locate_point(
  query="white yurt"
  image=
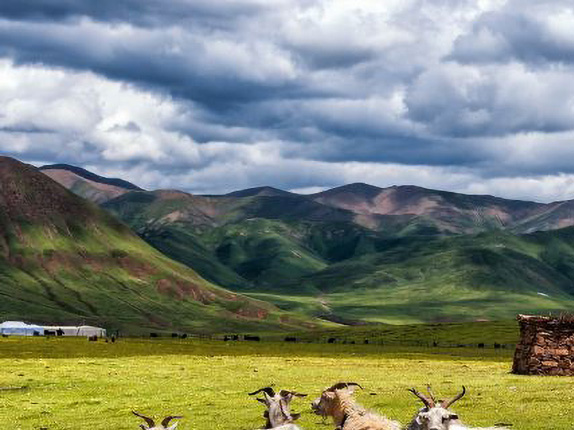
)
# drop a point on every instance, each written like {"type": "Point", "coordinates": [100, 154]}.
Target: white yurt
{"type": "Point", "coordinates": [19, 328]}
{"type": "Point", "coordinates": [83, 330]}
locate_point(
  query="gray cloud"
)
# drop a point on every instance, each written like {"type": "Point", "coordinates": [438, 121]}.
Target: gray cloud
{"type": "Point", "coordinates": [211, 96]}
{"type": "Point", "coordinates": [533, 32]}
{"type": "Point", "coordinates": [142, 13]}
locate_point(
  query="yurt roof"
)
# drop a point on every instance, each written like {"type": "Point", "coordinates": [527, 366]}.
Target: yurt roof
{"type": "Point", "coordinates": [18, 324]}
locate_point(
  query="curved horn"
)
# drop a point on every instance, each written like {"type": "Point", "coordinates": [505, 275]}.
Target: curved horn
{"type": "Point", "coordinates": [284, 393]}
{"type": "Point", "coordinates": [429, 403]}
{"type": "Point", "coordinates": [431, 394]}
{"type": "Point", "coordinates": [167, 419]}
{"type": "Point", "coordinates": [268, 390]}
{"type": "Point", "coordinates": [150, 422]}
{"type": "Point", "coordinates": [459, 396]}
{"type": "Point", "coordinates": [342, 385]}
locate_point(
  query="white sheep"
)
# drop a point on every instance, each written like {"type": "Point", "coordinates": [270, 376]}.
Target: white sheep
{"type": "Point", "coordinates": [278, 413]}
{"type": "Point", "coordinates": [338, 403]}
{"type": "Point", "coordinates": [435, 415]}
{"type": "Point", "coordinates": [150, 423]}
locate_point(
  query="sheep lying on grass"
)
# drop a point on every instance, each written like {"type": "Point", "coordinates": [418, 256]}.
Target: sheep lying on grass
{"type": "Point", "coordinates": [338, 403]}
{"type": "Point", "coordinates": [435, 415]}
{"type": "Point", "coordinates": [150, 423]}
{"type": "Point", "coordinates": [278, 413]}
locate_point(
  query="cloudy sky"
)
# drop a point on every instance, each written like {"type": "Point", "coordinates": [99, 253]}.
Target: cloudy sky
{"type": "Point", "coordinates": [209, 96]}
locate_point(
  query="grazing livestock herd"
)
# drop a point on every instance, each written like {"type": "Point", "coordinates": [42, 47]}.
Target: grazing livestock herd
{"type": "Point", "coordinates": [337, 402]}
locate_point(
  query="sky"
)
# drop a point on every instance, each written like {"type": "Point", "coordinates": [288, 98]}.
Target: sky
{"type": "Point", "coordinates": [212, 96]}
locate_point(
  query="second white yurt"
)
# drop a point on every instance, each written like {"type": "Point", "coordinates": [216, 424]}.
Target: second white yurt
{"type": "Point", "coordinates": [83, 330]}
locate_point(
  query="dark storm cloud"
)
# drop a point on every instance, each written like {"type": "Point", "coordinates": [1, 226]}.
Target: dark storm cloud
{"type": "Point", "coordinates": [215, 95]}
{"type": "Point", "coordinates": [190, 70]}
{"type": "Point", "coordinates": [139, 12]}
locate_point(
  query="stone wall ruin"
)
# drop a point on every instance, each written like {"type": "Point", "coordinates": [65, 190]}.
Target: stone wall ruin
{"type": "Point", "coordinates": [546, 346]}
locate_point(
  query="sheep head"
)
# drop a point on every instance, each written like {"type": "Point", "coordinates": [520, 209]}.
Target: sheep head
{"type": "Point", "coordinates": [277, 405]}
{"type": "Point", "coordinates": [328, 403]}
{"type": "Point", "coordinates": [150, 423]}
{"type": "Point", "coordinates": [435, 414]}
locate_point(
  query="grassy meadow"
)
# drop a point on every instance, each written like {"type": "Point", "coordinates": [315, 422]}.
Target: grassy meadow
{"type": "Point", "coordinates": [505, 333]}
{"type": "Point", "coordinates": [75, 384]}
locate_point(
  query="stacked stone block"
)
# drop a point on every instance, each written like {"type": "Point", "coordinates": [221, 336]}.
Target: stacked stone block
{"type": "Point", "coordinates": [546, 346]}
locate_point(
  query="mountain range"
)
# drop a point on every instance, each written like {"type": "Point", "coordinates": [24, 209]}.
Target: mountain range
{"type": "Point", "coordinates": [358, 253]}
{"type": "Point", "coordinates": [64, 260]}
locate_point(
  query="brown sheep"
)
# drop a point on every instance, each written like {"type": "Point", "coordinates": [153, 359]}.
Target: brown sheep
{"type": "Point", "coordinates": [338, 403]}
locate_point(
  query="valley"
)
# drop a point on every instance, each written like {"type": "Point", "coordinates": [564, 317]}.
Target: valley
{"type": "Point", "coordinates": [360, 254]}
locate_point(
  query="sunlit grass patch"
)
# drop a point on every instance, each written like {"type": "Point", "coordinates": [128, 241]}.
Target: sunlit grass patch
{"type": "Point", "coordinates": [75, 384]}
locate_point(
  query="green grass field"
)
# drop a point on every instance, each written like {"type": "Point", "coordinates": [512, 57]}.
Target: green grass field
{"type": "Point", "coordinates": [75, 384]}
{"type": "Point", "coordinates": [489, 333]}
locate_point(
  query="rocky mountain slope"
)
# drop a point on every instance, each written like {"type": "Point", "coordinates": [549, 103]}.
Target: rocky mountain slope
{"type": "Point", "coordinates": [63, 260]}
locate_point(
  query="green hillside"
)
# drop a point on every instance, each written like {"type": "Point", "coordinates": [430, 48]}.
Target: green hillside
{"type": "Point", "coordinates": [489, 276]}
{"type": "Point", "coordinates": [350, 274]}
{"type": "Point", "coordinates": [63, 260]}
{"type": "Point", "coordinates": [243, 242]}
{"type": "Point", "coordinates": [360, 254]}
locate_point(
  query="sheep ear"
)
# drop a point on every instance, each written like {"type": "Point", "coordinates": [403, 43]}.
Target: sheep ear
{"type": "Point", "coordinates": [453, 416]}
{"type": "Point", "coordinates": [262, 401]}
{"type": "Point", "coordinates": [295, 416]}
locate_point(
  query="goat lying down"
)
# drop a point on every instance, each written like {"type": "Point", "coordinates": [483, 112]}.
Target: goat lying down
{"type": "Point", "coordinates": [435, 415]}
{"type": "Point", "coordinates": [278, 408]}
{"type": "Point", "coordinates": [338, 403]}
{"type": "Point", "coordinates": [164, 425]}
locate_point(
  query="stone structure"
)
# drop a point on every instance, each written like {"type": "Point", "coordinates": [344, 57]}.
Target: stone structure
{"type": "Point", "coordinates": [546, 346]}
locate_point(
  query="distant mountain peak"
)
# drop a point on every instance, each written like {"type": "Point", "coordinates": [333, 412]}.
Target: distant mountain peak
{"type": "Point", "coordinates": [86, 184]}
{"type": "Point", "coordinates": [357, 188]}
{"type": "Point", "coordinates": [259, 191]}
{"type": "Point", "coordinates": [92, 176]}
